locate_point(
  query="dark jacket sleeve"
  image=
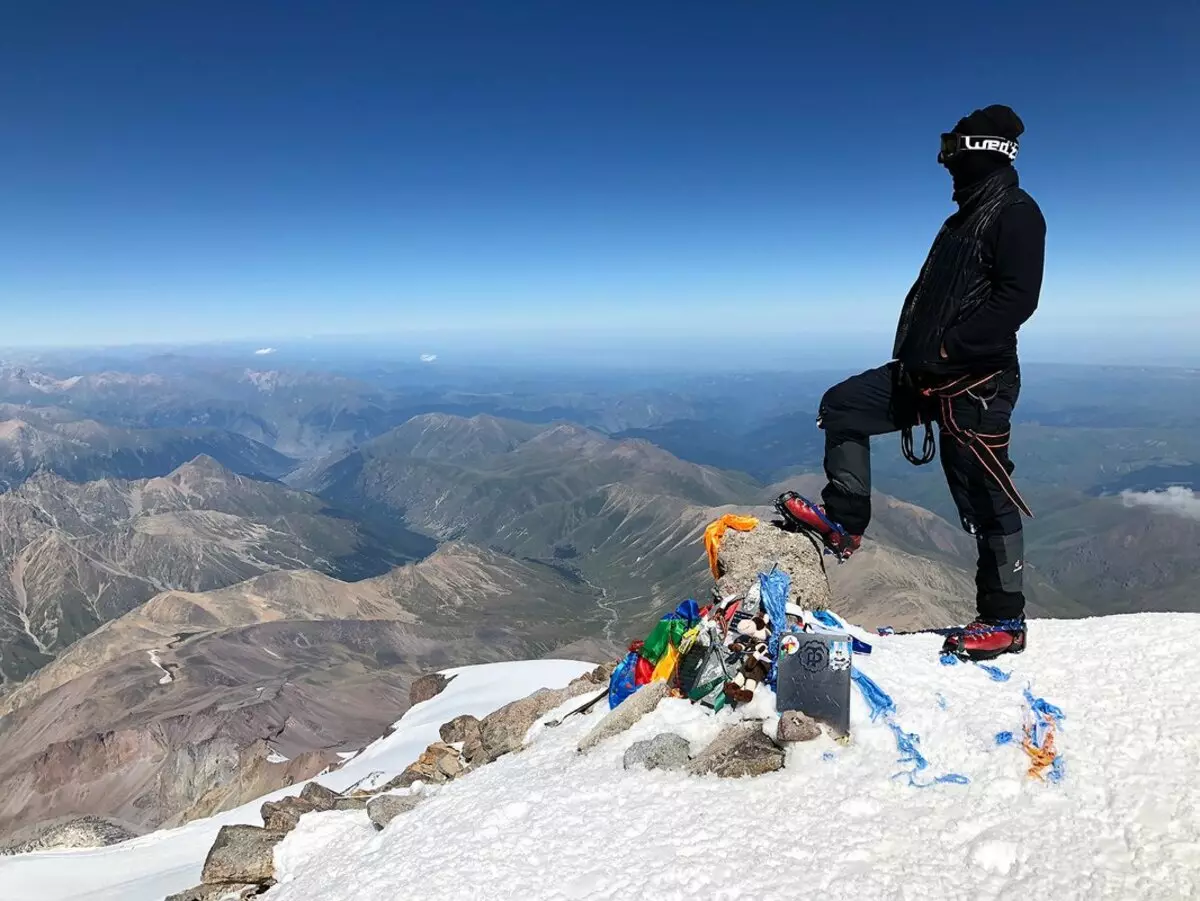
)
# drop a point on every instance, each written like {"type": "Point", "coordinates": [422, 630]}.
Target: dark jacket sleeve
{"type": "Point", "coordinates": [1019, 256]}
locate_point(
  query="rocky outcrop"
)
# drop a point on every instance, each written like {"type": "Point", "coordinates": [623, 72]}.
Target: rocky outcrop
{"type": "Point", "coordinates": [666, 751]}
{"type": "Point", "coordinates": [383, 809]}
{"type": "Point", "coordinates": [743, 555]}
{"type": "Point", "coordinates": [283, 816]}
{"type": "Point", "coordinates": [242, 855]}
{"type": "Point", "coordinates": [84, 832]}
{"type": "Point", "coordinates": [503, 731]}
{"type": "Point", "coordinates": [461, 728]}
{"type": "Point", "coordinates": [427, 687]}
{"type": "Point", "coordinates": [739, 750]}
{"type": "Point", "coordinates": [625, 714]}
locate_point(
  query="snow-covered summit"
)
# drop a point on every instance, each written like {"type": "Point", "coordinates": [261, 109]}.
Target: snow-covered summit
{"type": "Point", "coordinates": [550, 823]}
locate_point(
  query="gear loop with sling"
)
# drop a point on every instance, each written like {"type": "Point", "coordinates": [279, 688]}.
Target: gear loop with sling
{"type": "Point", "coordinates": [983, 446]}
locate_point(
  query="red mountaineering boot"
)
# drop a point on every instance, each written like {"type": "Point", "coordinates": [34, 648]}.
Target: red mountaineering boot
{"type": "Point", "coordinates": [801, 513]}
{"type": "Point", "coordinates": [986, 640]}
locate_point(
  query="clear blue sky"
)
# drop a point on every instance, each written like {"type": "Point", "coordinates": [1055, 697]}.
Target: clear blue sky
{"type": "Point", "coordinates": [196, 170]}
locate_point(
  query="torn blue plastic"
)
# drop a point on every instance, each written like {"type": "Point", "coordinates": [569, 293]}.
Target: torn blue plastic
{"type": "Point", "coordinates": [1043, 713]}
{"type": "Point", "coordinates": [907, 743]}
{"type": "Point", "coordinates": [997, 674]}
{"type": "Point", "coordinates": [948, 660]}
{"type": "Point", "coordinates": [774, 587]}
{"type": "Point", "coordinates": [833, 621]}
{"type": "Point", "coordinates": [877, 699]}
{"type": "Point", "coordinates": [941, 699]}
{"type": "Point", "coordinates": [1004, 738]}
{"type": "Point", "coordinates": [882, 705]}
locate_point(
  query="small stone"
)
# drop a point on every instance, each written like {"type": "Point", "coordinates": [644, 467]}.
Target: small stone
{"type": "Point", "coordinates": [625, 714]}
{"type": "Point", "coordinates": [796, 726]}
{"type": "Point", "coordinates": [427, 687]}
{"type": "Point", "coordinates": [242, 854]}
{"type": "Point", "coordinates": [282, 816]}
{"type": "Point", "coordinates": [663, 752]}
{"type": "Point", "coordinates": [739, 750]}
{"type": "Point", "coordinates": [320, 797]}
{"type": "Point", "coordinates": [461, 728]}
{"type": "Point", "coordinates": [382, 809]}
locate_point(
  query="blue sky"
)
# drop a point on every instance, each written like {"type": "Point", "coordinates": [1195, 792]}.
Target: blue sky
{"type": "Point", "coordinates": [194, 171]}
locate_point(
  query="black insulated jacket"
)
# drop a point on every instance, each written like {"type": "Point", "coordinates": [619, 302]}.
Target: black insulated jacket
{"type": "Point", "coordinates": [979, 284]}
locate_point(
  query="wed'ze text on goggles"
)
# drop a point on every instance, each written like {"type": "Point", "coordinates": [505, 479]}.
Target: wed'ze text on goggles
{"type": "Point", "coordinates": [954, 144]}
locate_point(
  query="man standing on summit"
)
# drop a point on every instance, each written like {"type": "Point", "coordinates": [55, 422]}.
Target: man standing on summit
{"type": "Point", "coordinates": [955, 363]}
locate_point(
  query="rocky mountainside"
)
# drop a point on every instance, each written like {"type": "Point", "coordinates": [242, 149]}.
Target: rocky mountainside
{"type": "Point", "coordinates": [619, 516]}
{"type": "Point", "coordinates": [148, 718]}
{"type": "Point", "coordinates": [37, 439]}
{"type": "Point", "coordinates": [73, 556]}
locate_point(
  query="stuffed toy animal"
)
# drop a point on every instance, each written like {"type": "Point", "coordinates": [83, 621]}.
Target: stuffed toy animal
{"type": "Point", "coordinates": [756, 664]}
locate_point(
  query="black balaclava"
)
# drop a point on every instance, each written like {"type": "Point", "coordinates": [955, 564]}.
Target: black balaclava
{"type": "Point", "coordinates": [972, 166]}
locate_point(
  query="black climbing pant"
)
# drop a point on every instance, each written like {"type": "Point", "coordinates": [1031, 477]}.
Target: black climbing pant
{"type": "Point", "coordinates": [878, 402]}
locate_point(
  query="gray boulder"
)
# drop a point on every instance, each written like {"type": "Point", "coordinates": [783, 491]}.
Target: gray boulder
{"type": "Point", "coordinates": [666, 751]}
{"type": "Point", "coordinates": [796, 726]}
{"type": "Point", "coordinates": [382, 809]}
{"type": "Point", "coordinates": [242, 855]}
{"type": "Point", "coordinates": [739, 750]}
{"type": "Point", "coordinates": [625, 714]}
{"type": "Point", "coordinates": [320, 797]}
{"type": "Point", "coordinates": [355, 803]}
{"type": "Point", "coordinates": [226, 892]}
{"type": "Point", "coordinates": [503, 731]}
{"type": "Point", "coordinates": [282, 816]}
{"type": "Point", "coordinates": [461, 728]}
{"type": "Point", "coordinates": [474, 753]}
{"type": "Point", "coordinates": [743, 555]}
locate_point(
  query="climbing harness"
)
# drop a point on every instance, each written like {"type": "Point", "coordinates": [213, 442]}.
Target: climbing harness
{"type": "Point", "coordinates": [983, 446]}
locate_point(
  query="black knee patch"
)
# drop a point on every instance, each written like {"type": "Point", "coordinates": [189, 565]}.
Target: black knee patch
{"type": "Point", "coordinates": [1007, 553]}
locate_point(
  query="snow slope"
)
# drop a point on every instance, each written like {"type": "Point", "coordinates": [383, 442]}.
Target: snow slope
{"type": "Point", "coordinates": [155, 865]}
{"type": "Point", "coordinates": [548, 823]}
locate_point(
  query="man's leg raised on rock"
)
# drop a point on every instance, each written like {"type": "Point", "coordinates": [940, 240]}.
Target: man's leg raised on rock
{"type": "Point", "coordinates": [851, 412]}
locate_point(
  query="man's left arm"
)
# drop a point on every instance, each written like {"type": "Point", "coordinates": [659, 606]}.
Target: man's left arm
{"type": "Point", "coordinates": [1016, 283]}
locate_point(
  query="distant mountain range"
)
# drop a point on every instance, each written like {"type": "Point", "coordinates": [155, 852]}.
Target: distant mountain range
{"type": "Point", "coordinates": [73, 556]}
{"type": "Point", "coordinates": [51, 439]}
{"type": "Point", "coordinates": [178, 615]}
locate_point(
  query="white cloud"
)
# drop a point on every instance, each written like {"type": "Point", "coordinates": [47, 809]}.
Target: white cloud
{"type": "Point", "coordinates": [265, 351]}
{"type": "Point", "coordinates": [428, 358]}
{"type": "Point", "coordinates": [1175, 499]}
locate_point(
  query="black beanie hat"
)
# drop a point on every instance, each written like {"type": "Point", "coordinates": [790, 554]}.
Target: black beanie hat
{"type": "Point", "coordinates": [993, 121]}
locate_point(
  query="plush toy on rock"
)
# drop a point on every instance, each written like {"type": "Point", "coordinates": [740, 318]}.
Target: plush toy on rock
{"type": "Point", "coordinates": [751, 645]}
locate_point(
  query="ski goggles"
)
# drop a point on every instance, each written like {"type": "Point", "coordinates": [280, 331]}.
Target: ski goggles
{"type": "Point", "coordinates": [954, 144]}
